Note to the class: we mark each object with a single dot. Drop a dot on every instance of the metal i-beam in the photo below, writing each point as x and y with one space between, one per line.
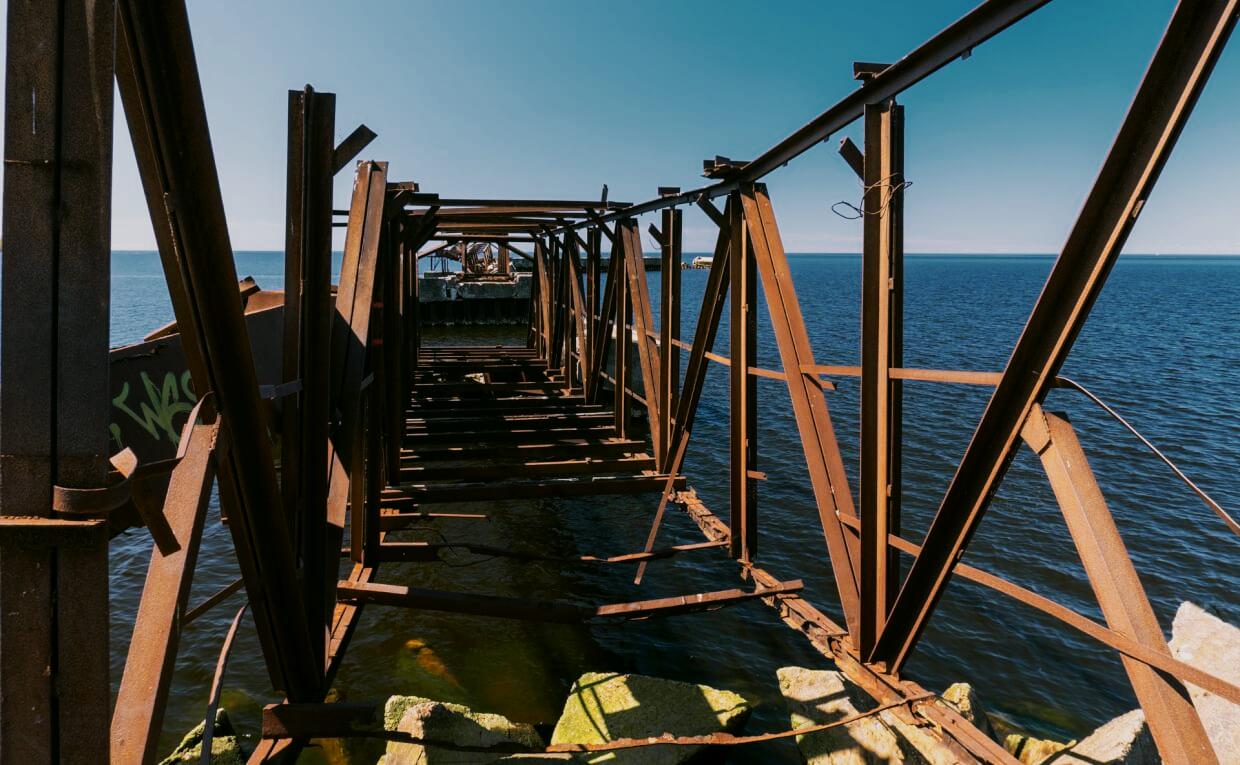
1169 712
881 338
307 333
642 321
162 95
1195 37
743 389
54 401
669 329
151 659
822 452
695 371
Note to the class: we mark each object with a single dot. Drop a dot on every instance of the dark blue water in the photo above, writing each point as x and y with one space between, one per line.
1161 347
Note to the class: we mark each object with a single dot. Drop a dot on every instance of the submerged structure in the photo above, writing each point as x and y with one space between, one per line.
376 431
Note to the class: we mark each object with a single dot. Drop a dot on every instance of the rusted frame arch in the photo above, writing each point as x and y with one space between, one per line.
577 303
671 252
822 453
1180 67
643 320
162 95
711 312
603 327
1169 712
543 306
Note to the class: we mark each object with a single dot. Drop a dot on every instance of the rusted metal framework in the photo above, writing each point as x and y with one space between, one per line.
375 430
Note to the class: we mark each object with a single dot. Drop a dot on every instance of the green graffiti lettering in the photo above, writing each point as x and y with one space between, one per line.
162 405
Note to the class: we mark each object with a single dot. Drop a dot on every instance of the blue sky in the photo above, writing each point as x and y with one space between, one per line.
553 99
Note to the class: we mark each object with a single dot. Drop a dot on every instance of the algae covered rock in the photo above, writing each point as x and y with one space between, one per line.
606 706
1030 750
225 748
1211 645
1126 740
439 721
965 699
817 697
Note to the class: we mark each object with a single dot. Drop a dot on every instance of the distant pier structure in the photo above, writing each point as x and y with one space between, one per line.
473 282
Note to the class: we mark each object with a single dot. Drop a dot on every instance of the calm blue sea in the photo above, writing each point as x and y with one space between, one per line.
1161 347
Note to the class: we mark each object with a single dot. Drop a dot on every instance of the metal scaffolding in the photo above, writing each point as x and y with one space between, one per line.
377 431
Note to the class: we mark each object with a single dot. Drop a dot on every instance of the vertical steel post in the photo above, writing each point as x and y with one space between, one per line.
624 341
669 331
743 389
307 327
54 402
881 289
1190 47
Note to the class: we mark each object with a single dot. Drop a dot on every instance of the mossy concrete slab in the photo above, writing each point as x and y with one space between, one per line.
818 697
430 719
603 707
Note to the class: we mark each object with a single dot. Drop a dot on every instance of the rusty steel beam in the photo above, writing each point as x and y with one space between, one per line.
695 374
578 307
162 94
529 469
638 293
147 679
54 401
743 390
955 41
671 256
832 494
1169 712
1176 75
541 298
602 324
351 323
350 147
307 343
882 287
623 341
1104 635
532 205
558 612
425 494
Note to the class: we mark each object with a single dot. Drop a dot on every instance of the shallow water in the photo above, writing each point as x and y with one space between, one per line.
1161 347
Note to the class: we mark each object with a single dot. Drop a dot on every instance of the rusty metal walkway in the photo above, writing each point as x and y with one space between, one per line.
343 430
499 423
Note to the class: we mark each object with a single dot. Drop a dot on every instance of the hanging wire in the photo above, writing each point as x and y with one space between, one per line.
1216 507
860 212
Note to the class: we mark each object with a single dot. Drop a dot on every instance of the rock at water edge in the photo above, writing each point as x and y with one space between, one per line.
1211 645
965 699
225 748
1126 740
816 697
606 706
429 719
